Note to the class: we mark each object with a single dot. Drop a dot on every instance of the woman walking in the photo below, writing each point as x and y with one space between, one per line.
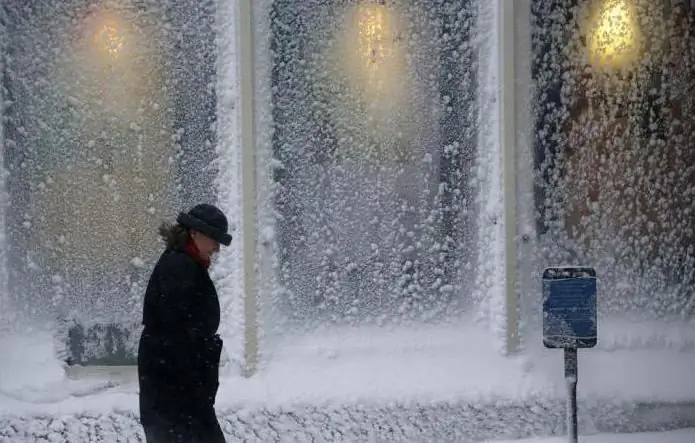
179 352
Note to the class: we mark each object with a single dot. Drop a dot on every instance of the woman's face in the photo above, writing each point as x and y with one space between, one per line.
206 246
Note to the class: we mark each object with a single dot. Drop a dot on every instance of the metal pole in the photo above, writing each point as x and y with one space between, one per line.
248 139
506 35
571 376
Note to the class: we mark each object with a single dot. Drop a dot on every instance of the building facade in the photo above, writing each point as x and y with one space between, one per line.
384 162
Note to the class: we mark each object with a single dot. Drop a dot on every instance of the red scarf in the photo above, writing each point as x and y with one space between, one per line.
192 250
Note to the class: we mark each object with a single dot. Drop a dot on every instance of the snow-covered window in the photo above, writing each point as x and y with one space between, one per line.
373 111
108 129
614 147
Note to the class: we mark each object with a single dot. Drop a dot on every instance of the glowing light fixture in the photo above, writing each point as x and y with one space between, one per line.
374 58
370 65
613 35
374 32
109 64
110 39
108 35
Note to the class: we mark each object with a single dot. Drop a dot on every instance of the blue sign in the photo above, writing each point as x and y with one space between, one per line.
569 308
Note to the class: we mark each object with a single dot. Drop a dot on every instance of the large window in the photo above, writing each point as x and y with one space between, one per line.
616 148
374 114
108 131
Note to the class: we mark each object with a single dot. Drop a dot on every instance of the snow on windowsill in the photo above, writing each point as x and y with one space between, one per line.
452 363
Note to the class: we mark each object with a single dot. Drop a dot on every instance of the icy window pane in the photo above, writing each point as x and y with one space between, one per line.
108 123
374 123
615 157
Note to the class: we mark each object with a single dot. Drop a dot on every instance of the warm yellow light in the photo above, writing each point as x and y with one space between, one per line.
373 25
109 39
374 57
112 62
369 66
108 36
613 35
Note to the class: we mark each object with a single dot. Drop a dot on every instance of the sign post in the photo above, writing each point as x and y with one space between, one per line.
570 324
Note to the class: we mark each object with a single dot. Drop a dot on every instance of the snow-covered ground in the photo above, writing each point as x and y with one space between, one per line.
445 382
679 436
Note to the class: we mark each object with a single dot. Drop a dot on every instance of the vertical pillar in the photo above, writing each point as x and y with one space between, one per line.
248 143
525 200
507 113
4 196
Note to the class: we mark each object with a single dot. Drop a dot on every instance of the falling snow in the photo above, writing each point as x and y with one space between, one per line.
379 222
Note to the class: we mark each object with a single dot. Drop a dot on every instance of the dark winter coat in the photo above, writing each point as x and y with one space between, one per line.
179 352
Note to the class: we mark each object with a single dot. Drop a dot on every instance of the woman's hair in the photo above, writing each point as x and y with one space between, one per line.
174 235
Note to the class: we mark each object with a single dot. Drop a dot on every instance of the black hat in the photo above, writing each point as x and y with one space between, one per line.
208 220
